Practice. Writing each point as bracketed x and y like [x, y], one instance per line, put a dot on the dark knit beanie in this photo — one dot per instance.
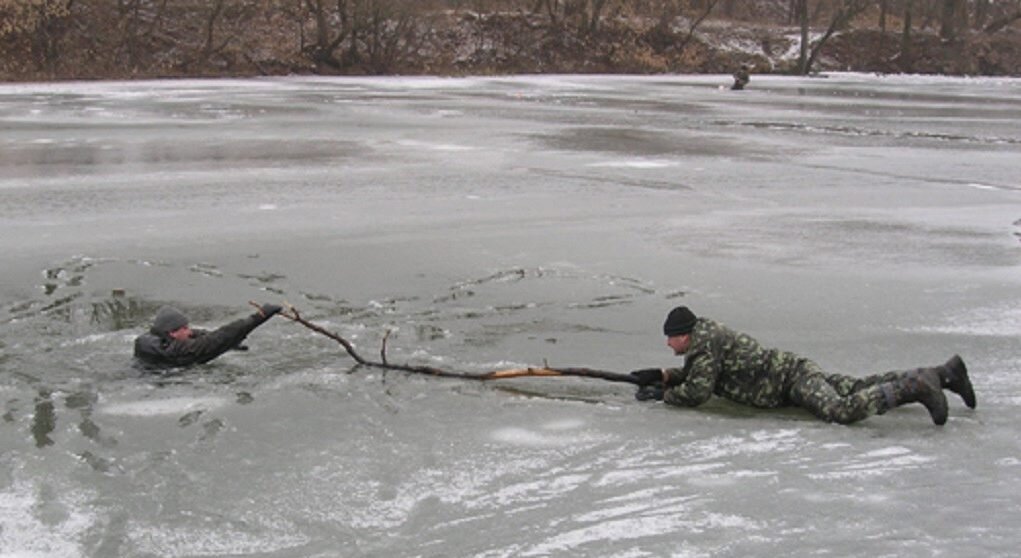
[679, 321]
[168, 319]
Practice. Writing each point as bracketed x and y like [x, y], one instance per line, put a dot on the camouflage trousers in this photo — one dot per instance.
[838, 398]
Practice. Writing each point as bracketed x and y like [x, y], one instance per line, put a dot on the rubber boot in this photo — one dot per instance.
[954, 376]
[918, 386]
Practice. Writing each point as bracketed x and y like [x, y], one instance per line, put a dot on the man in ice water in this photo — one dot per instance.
[171, 342]
[741, 77]
[721, 361]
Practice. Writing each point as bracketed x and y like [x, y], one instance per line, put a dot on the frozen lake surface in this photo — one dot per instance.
[870, 223]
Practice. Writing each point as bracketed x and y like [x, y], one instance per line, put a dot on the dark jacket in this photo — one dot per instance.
[156, 348]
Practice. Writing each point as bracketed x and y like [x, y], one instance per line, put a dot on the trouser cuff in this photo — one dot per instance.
[889, 397]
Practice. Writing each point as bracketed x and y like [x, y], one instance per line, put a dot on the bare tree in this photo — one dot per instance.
[695, 22]
[801, 9]
[375, 36]
[328, 36]
[950, 20]
[1004, 21]
[40, 24]
[906, 56]
[846, 11]
[391, 35]
[981, 13]
[663, 37]
[581, 17]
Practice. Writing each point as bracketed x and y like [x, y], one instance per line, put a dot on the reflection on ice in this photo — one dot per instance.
[637, 164]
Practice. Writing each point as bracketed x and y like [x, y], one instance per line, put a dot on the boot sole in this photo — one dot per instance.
[960, 383]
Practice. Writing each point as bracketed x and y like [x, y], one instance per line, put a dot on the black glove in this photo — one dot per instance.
[648, 376]
[269, 310]
[653, 392]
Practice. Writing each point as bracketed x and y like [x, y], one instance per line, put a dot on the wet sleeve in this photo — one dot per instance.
[147, 349]
[210, 345]
[696, 387]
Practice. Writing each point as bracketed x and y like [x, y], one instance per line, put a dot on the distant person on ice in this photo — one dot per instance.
[741, 77]
[171, 342]
[721, 361]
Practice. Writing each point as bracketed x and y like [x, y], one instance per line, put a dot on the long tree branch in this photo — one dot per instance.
[292, 314]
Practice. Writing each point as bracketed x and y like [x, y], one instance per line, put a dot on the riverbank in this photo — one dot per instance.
[505, 43]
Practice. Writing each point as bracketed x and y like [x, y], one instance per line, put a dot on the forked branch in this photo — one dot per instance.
[291, 313]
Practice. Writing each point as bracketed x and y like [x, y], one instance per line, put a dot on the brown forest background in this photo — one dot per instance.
[113, 39]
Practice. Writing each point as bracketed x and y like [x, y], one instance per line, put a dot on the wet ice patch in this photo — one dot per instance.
[564, 424]
[759, 442]
[648, 525]
[526, 437]
[30, 527]
[636, 164]
[993, 321]
[434, 146]
[555, 433]
[727, 478]
[197, 541]
[170, 406]
[879, 462]
[534, 491]
[268, 207]
[94, 338]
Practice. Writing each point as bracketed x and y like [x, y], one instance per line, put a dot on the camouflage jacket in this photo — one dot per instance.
[724, 362]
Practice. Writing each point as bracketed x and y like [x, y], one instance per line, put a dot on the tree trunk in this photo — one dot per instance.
[1001, 23]
[214, 15]
[948, 22]
[845, 13]
[322, 26]
[906, 62]
[594, 15]
[802, 8]
[352, 28]
[691, 30]
[981, 14]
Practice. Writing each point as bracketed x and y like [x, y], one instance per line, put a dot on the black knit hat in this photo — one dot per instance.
[168, 319]
[679, 321]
